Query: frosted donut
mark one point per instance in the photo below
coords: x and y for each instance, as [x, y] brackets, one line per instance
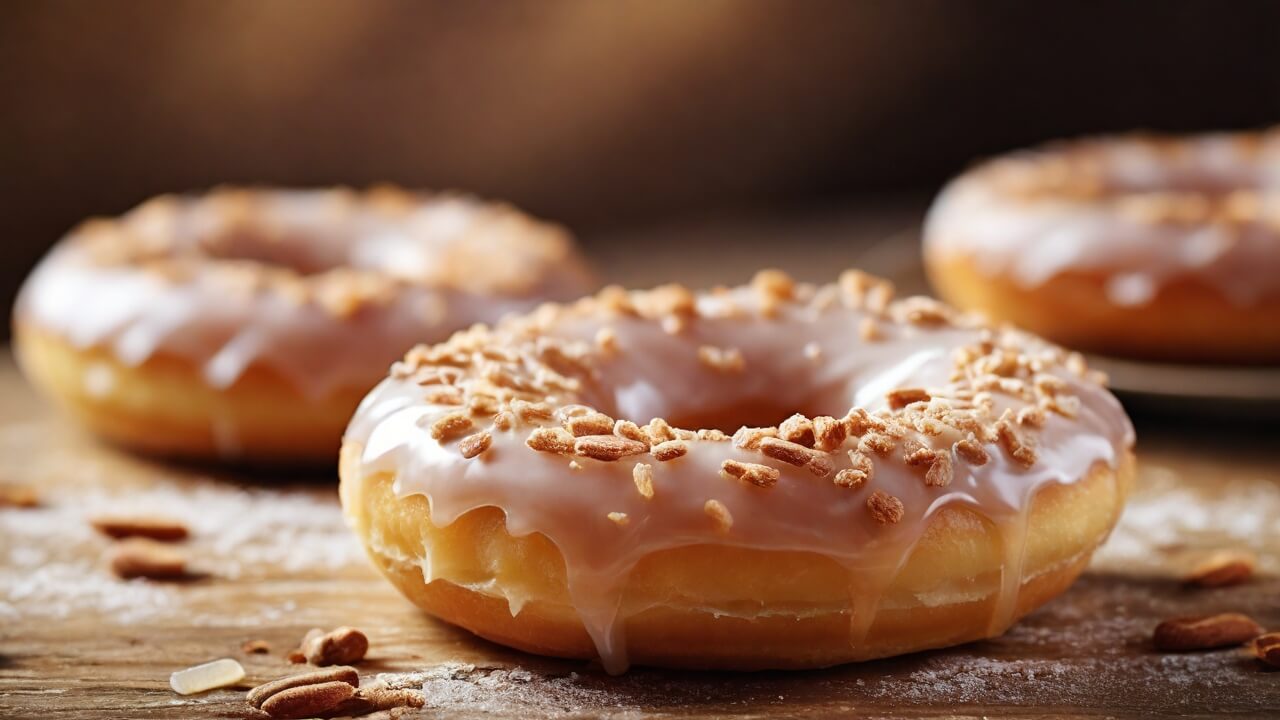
[1148, 247]
[931, 479]
[248, 324]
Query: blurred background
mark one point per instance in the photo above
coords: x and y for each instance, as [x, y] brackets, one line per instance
[712, 127]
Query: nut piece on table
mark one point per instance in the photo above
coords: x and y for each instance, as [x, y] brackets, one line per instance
[147, 526]
[1205, 633]
[1223, 569]
[143, 558]
[259, 695]
[1267, 648]
[342, 646]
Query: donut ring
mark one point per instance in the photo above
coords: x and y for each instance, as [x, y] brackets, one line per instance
[248, 324]
[940, 480]
[1136, 246]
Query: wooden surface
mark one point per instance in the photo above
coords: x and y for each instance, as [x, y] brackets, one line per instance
[75, 642]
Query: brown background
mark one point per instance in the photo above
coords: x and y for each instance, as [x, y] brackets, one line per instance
[605, 115]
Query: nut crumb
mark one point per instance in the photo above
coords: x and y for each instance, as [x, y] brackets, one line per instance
[719, 515]
[1223, 569]
[758, 475]
[147, 526]
[473, 445]
[642, 474]
[451, 426]
[551, 440]
[607, 448]
[727, 360]
[797, 429]
[972, 451]
[341, 646]
[669, 450]
[903, 397]
[591, 423]
[619, 518]
[796, 454]
[885, 508]
[255, 647]
[144, 558]
[858, 474]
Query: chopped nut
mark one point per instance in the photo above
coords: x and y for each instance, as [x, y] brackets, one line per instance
[669, 450]
[1267, 648]
[1031, 416]
[877, 443]
[972, 451]
[143, 558]
[722, 359]
[1223, 569]
[749, 438]
[631, 431]
[607, 447]
[531, 412]
[939, 472]
[659, 431]
[443, 395]
[473, 445]
[869, 329]
[903, 397]
[552, 440]
[719, 515]
[828, 433]
[257, 696]
[619, 518]
[856, 476]
[797, 429]
[255, 647]
[885, 508]
[758, 475]
[818, 463]
[1012, 443]
[592, 423]
[607, 340]
[342, 646]
[504, 421]
[451, 426]
[1205, 633]
[307, 701]
[481, 404]
[153, 527]
[642, 474]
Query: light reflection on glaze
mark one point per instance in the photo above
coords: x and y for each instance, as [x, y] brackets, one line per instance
[656, 374]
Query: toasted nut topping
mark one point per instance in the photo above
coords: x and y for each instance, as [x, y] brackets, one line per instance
[1031, 416]
[607, 447]
[211, 675]
[875, 442]
[18, 496]
[722, 359]
[307, 701]
[342, 646]
[642, 474]
[631, 431]
[473, 445]
[531, 412]
[451, 426]
[1267, 648]
[719, 515]
[443, 395]
[939, 472]
[504, 421]
[619, 518]
[1014, 446]
[669, 450]
[797, 429]
[869, 329]
[1223, 569]
[758, 475]
[257, 696]
[659, 431]
[796, 454]
[592, 423]
[749, 438]
[972, 451]
[885, 508]
[552, 440]
[857, 475]
[828, 433]
[1205, 633]
[143, 558]
[607, 340]
[903, 397]
[153, 527]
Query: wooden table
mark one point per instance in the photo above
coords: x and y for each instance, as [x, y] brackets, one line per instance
[76, 642]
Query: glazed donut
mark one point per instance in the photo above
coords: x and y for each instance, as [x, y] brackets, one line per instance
[858, 478]
[247, 324]
[1146, 247]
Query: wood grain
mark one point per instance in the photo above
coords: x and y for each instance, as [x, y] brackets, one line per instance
[77, 643]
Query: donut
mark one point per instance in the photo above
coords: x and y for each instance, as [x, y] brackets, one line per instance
[778, 475]
[1146, 247]
[246, 324]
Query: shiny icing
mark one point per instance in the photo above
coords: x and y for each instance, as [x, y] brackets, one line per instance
[236, 279]
[806, 355]
[1087, 206]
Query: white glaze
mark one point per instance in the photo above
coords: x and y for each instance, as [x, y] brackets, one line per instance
[656, 374]
[431, 250]
[1034, 239]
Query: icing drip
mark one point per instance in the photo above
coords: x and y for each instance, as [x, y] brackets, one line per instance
[1147, 211]
[326, 288]
[648, 371]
